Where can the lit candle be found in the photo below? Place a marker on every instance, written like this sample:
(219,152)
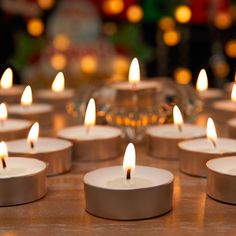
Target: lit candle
(162,140)
(112,192)
(31,111)
(57,153)
(58,96)
(195,153)
(104,139)
(16,175)
(8,92)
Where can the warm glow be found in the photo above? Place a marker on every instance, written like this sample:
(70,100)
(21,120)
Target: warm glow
(113,7)
(134,71)
(33,134)
(3,112)
(3,150)
(182,75)
(46,4)
(90,114)
(171,37)
(7,79)
(61,42)
(134,13)
(183,14)
(121,64)
(221,69)
(223,20)
(166,23)
(129,158)
(233,93)
(202,81)
(230,48)
(58,83)
(178,119)
(88,64)
(58,61)
(35,27)
(211,130)
(27,98)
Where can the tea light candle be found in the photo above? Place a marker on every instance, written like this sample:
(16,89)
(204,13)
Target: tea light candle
(225,109)
(93,142)
(22,180)
(221,179)
(12,128)
(8,92)
(232,128)
(162,140)
(34,112)
(195,153)
(55,152)
(127,194)
(206,95)
(58,96)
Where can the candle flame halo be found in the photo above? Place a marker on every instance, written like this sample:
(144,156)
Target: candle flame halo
(90,114)
(233,93)
(134,71)
(7,79)
(129,158)
(202,81)
(33,134)
(58,83)
(211,131)
(3,112)
(27,98)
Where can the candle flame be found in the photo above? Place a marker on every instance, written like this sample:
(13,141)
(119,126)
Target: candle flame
(90,114)
(7,79)
(134,71)
(211,131)
(33,134)
(26,98)
(233,93)
(177,116)
(202,81)
(3,112)
(129,158)
(3,150)
(58,84)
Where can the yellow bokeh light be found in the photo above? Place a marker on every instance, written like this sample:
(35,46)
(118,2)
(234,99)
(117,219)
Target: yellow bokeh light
(166,23)
(58,61)
(121,65)
(230,48)
(35,27)
(134,13)
(88,64)
(113,7)
(171,37)
(183,14)
(182,76)
(61,42)
(223,20)
(46,4)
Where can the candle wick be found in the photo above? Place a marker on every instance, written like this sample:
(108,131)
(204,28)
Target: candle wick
(180,128)
(128,174)
(31,144)
(4,165)
(213,142)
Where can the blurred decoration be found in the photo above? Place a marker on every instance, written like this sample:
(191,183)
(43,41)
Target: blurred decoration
(113,7)
(88,64)
(35,27)
(223,20)
(183,14)
(230,48)
(134,13)
(58,61)
(171,37)
(166,23)
(46,4)
(182,75)
(61,42)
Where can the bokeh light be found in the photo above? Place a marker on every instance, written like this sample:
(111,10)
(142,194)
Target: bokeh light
(88,64)
(183,14)
(171,37)
(46,4)
(61,42)
(109,28)
(35,26)
(166,23)
(58,61)
(121,64)
(134,13)
(182,75)
(221,69)
(113,7)
(223,20)
(230,48)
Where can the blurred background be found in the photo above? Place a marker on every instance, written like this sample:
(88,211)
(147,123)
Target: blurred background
(94,40)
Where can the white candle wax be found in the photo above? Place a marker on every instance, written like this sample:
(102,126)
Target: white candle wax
(14,124)
(210,94)
(13,91)
(225,105)
(35,108)
(50,95)
(141,85)
(18,167)
(171,131)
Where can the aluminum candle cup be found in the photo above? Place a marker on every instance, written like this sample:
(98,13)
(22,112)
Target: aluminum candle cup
(57,153)
(147,194)
(100,143)
(11,129)
(22,181)
(35,112)
(221,180)
(11,95)
(232,128)
(194,154)
(162,140)
(209,96)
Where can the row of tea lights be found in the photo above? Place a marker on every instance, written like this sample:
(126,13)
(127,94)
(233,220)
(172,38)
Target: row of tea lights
(109,192)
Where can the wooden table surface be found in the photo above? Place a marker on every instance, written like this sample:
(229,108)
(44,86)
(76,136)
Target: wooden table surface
(62,210)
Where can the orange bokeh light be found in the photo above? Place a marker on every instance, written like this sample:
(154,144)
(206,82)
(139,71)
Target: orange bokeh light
(134,13)
(35,27)
(113,7)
